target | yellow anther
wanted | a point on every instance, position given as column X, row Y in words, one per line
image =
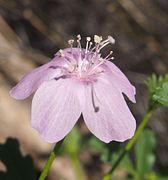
column 88, row 38
column 71, row 41
column 61, row 53
column 79, row 37
column 97, row 39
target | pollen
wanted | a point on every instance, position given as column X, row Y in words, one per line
column 97, row 39
column 61, row 53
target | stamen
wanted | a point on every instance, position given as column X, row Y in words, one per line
column 111, row 39
column 79, row 37
column 96, row 66
column 70, row 42
column 68, row 60
column 86, row 62
column 111, row 52
column 61, row 53
column 105, row 44
column 78, row 41
column 97, row 39
column 88, row 39
column 90, row 45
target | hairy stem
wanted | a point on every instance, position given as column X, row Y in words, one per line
column 129, row 145
column 50, row 160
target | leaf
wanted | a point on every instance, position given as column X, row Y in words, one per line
column 161, row 95
column 145, row 157
column 158, row 90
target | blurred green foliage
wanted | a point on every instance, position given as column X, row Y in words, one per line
column 158, row 90
column 144, row 154
column 139, row 167
column 72, row 144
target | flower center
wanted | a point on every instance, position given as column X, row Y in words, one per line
column 85, row 63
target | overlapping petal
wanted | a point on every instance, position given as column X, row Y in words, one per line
column 106, row 113
column 121, row 81
column 55, row 109
column 30, row 82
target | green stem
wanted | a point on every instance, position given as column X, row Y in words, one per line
column 129, row 145
column 77, row 167
column 50, row 160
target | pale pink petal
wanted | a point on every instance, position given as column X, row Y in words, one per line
column 106, row 113
column 55, row 109
column 32, row 80
column 121, row 81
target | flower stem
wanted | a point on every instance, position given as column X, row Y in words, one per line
column 77, row 167
column 50, row 160
column 129, row 145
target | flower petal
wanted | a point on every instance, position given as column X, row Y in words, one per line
column 121, row 81
column 32, row 80
column 55, row 109
column 106, row 113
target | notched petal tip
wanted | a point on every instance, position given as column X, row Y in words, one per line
column 117, row 77
column 132, row 94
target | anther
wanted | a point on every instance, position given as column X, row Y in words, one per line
column 97, row 39
column 70, row 42
column 79, row 37
column 111, row 52
column 90, row 45
column 111, row 39
column 88, row 39
column 78, row 41
column 61, row 53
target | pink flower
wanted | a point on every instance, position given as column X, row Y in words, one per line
column 79, row 81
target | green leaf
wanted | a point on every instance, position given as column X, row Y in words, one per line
column 145, row 157
column 161, row 94
column 158, row 90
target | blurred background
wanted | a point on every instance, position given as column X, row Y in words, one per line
column 31, row 32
